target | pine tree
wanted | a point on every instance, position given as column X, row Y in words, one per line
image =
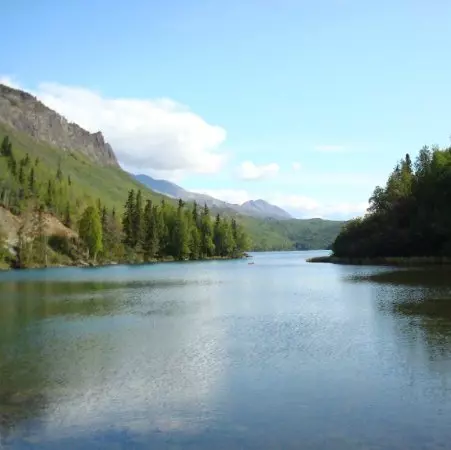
column 150, row 240
column 67, row 216
column 206, row 233
column 228, row 243
column 195, row 241
column 31, row 180
column 6, row 147
column 162, row 231
column 195, row 214
column 21, row 175
column 217, row 235
column 90, row 231
column 12, row 165
column 180, row 235
column 59, row 172
column 127, row 219
column 137, row 227
column 49, row 197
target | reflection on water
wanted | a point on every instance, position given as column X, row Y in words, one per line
column 281, row 354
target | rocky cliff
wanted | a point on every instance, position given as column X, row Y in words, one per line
column 25, row 113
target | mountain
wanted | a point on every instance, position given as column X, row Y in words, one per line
column 77, row 168
column 175, row 191
column 162, row 186
column 260, row 208
column 23, row 112
column 254, row 208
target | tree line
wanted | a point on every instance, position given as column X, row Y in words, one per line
column 410, row 216
column 143, row 232
column 149, row 232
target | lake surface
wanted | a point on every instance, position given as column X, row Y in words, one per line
column 281, row 354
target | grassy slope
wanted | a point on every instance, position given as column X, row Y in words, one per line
column 92, row 181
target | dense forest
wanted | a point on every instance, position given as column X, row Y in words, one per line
column 144, row 230
column 409, row 217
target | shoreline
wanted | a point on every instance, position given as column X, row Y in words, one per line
column 384, row 261
column 91, row 265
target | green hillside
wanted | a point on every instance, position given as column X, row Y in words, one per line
column 89, row 180
column 84, row 181
column 307, row 234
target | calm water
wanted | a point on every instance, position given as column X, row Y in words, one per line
column 222, row 355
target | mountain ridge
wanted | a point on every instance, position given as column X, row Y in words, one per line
column 255, row 208
column 25, row 113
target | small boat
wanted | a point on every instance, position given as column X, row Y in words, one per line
column 250, row 263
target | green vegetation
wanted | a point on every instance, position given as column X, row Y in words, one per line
column 42, row 187
column 67, row 183
column 409, row 217
column 294, row 234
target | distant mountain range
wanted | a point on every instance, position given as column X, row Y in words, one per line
column 254, row 208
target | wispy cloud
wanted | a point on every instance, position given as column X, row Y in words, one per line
column 158, row 135
column 306, row 207
column 296, row 166
column 250, row 171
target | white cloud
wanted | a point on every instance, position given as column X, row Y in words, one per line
column 250, row 171
column 296, row 166
column 330, row 148
column 156, row 136
column 306, row 207
column 9, row 81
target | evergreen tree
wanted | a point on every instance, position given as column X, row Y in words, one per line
column 31, row 180
column 49, row 197
column 137, row 221
column 59, row 172
column 127, row 218
column 195, row 214
column 228, row 243
column 6, row 147
column 206, row 234
column 180, row 235
column 150, row 241
column 90, row 231
column 12, row 165
column 67, row 216
column 162, row 231
column 217, row 235
column 21, row 175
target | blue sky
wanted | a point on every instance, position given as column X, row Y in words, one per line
column 308, row 104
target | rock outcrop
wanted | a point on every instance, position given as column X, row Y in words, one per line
column 25, row 113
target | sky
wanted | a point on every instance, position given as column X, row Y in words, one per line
column 307, row 104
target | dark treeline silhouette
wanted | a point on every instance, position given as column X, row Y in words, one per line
column 409, row 217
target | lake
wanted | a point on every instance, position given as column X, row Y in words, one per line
column 281, row 354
